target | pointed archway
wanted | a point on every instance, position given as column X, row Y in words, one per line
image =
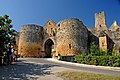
column 48, row 46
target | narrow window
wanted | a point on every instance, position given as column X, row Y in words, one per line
column 72, row 25
column 49, row 23
column 46, row 31
column 58, row 25
column 100, row 26
column 51, row 30
column 102, row 43
column 53, row 33
column 38, row 48
column 69, row 46
column 119, row 50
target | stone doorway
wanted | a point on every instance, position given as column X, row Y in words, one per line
column 48, row 47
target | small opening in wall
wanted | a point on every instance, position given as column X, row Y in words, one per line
column 102, row 43
column 46, row 30
column 119, row 50
column 51, row 30
column 49, row 23
column 53, row 33
column 58, row 25
column 72, row 25
column 69, row 46
column 100, row 26
column 58, row 28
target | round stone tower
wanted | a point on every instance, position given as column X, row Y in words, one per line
column 30, row 41
column 71, row 37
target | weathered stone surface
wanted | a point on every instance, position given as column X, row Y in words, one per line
column 68, row 37
column 100, row 21
column 112, row 34
column 49, row 26
column 115, row 37
column 114, row 26
column 30, row 50
column 30, row 41
column 71, row 37
column 103, row 43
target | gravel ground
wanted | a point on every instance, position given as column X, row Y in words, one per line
column 30, row 71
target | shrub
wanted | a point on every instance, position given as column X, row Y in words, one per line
column 98, row 60
column 94, row 50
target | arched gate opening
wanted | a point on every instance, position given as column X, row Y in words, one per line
column 48, row 47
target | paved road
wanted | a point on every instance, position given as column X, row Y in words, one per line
column 43, row 69
column 25, row 70
column 74, row 67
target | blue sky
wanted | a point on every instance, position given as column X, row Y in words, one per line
column 39, row 11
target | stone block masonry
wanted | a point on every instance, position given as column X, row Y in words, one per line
column 68, row 37
column 71, row 37
column 30, row 41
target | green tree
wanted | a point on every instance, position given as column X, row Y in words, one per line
column 94, row 50
column 7, row 34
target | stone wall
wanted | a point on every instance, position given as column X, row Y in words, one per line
column 30, row 41
column 114, row 26
column 71, row 37
column 49, row 26
column 100, row 21
column 112, row 34
column 103, row 43
column 115, row 37
column 68, row 37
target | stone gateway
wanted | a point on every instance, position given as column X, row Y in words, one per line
column 68, row 37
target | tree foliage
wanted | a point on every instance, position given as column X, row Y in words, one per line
column 94, row 50
column 7, row 34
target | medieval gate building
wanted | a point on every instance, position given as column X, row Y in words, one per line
column 68, row 37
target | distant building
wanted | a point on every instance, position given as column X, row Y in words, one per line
column 68, row 37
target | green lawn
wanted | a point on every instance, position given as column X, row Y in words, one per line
column 77, row 75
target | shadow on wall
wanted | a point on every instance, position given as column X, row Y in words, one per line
column 24, row 71
column 92, row 38
column 111, row 46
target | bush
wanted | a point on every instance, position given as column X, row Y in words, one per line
column 98, row 57
column 95, row 51
column 98, row 60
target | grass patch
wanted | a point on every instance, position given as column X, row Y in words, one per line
column 77, row 75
